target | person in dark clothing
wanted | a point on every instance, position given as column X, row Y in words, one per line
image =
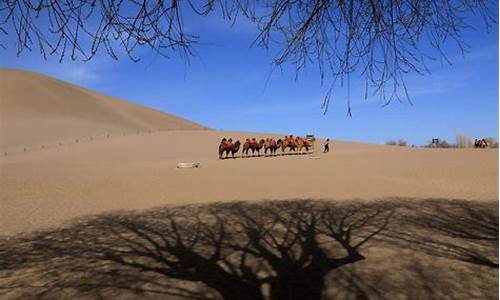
column 327, row 146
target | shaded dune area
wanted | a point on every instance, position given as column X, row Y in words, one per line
column 298, row 249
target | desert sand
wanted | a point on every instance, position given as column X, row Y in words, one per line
column 37, row 110
column 68, row 154
column 52, row 183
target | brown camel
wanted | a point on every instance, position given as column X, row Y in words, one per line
column 288, row 142
column 224, row 144
column 235, row 148
column 246, row 146
column 279, row 144
column 227, row 146
column 259, row 146
column 252, row 145
column 303, row 143
column 271, row 145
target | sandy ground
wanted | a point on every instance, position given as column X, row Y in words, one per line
column 49, row 186
column 57, row 163
column 57, row 178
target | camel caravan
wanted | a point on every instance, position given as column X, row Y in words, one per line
column 270, row 146
column 481, row 143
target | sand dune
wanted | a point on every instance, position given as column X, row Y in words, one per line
column 47, row 187
column 426, row 241
column 36, row 109
column 50, row 186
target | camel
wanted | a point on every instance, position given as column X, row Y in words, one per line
column 271, row 145
column 235, row 149
column 484, row 143
column 288, row 142
column 476, row 143
column 227, row 146
column 259, row 146
column 246, row 147
column 279, row 144
column 480, row 143
column 223, row 146
column 303, row 143
column 252, row 145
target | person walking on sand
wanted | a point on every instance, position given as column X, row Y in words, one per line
column 327, row 146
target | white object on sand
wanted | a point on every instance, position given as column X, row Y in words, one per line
column 185, row 165
column 313, row 157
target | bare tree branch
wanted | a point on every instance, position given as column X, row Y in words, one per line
column 380, row 40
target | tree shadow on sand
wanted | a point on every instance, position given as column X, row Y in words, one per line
column 454, row 229
column 432, row 249
column 262, row 250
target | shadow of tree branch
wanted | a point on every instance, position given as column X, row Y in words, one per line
column 243, row 250
column 455, row 229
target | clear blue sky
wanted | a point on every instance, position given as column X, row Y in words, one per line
column 224, row 87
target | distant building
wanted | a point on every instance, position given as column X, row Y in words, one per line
column 435, row 142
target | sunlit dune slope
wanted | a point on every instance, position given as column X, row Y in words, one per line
column 37, row 109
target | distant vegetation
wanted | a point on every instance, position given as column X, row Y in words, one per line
column 441, row 144
column 399, row 142
column 462, row 141
column 492, row 142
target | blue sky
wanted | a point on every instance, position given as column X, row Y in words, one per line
column 226, row 87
